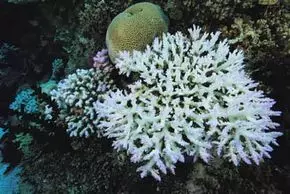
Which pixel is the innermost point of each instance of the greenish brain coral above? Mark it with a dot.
(135, 27)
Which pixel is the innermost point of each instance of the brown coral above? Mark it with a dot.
(134, 28)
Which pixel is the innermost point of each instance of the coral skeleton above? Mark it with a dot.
(75, 96)
(101, 61)
(193, 98)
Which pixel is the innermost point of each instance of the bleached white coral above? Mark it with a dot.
(193, 98)
(48, 112)
(75, 96)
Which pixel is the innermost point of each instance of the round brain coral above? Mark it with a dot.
(134, 28)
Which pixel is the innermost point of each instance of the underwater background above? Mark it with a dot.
(53, 53)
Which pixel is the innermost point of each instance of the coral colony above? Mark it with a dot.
(75, 96)
(25, 101)
(101, 61)
(135, 27)
(193, 98)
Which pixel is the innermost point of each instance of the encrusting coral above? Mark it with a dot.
(135, 27)
(193, 98)
(75, 95)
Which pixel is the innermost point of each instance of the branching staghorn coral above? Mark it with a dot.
(193, 98)
(101, 61)
(75, 95)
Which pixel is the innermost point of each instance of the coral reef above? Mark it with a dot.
(221, 177)
(135, 27)
(208, 11)
(106, 170)
(260, 28)
(261, 36)
(83, 32)
(265, 41)
(67, 33)
(262, 31)
(194, 98)
(75, 95)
